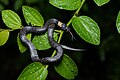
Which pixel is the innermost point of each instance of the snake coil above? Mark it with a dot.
(49, 25)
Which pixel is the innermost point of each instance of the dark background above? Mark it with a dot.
(96, 63)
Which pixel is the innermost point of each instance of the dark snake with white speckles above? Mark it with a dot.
(49, 25)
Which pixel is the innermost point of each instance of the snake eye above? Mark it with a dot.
(65, 28)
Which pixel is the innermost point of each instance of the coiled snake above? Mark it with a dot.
(49, 25)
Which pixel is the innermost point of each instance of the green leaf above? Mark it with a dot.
(101, 2)
(66, 4)
(1, 7)
(21, 45)
(18, 4)
(118, 22)
(6, 2)
(67, 68)
(32, 1)
(87, 29)
(4, 35)
(41, 41)
(34, 71)
(32, 16)
(11, 19)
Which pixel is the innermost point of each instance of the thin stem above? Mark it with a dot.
(61, 32)
(58, 31)
(11, 29)
(5, 29)
(76, 13)
(60, 36)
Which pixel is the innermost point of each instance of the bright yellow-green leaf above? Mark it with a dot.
(21, 45)
(4, 35)
(11, 19)
(32, 16)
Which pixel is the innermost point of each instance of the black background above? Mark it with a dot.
(96, 63)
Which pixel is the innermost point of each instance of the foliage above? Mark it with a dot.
(84, 26)
(67, 68)
(11, 19)
(34, 71)
(32, 16)
(118, 22)
(4, 35)
(38, 41)
(101, 2)
(87, 29)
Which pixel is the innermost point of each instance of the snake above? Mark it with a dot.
(50, 27)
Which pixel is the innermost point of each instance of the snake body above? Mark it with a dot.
(49, 25)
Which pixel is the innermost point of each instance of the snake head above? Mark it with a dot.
(67, 29)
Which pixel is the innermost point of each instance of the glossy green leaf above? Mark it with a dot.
(34, 71)
(87, 29)
(41, 41)
(101, 2)
(4, 35)
(66, 4)
(11, 19)
(21, 45)
(32, 16)
(67, 68)
(118, 22)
